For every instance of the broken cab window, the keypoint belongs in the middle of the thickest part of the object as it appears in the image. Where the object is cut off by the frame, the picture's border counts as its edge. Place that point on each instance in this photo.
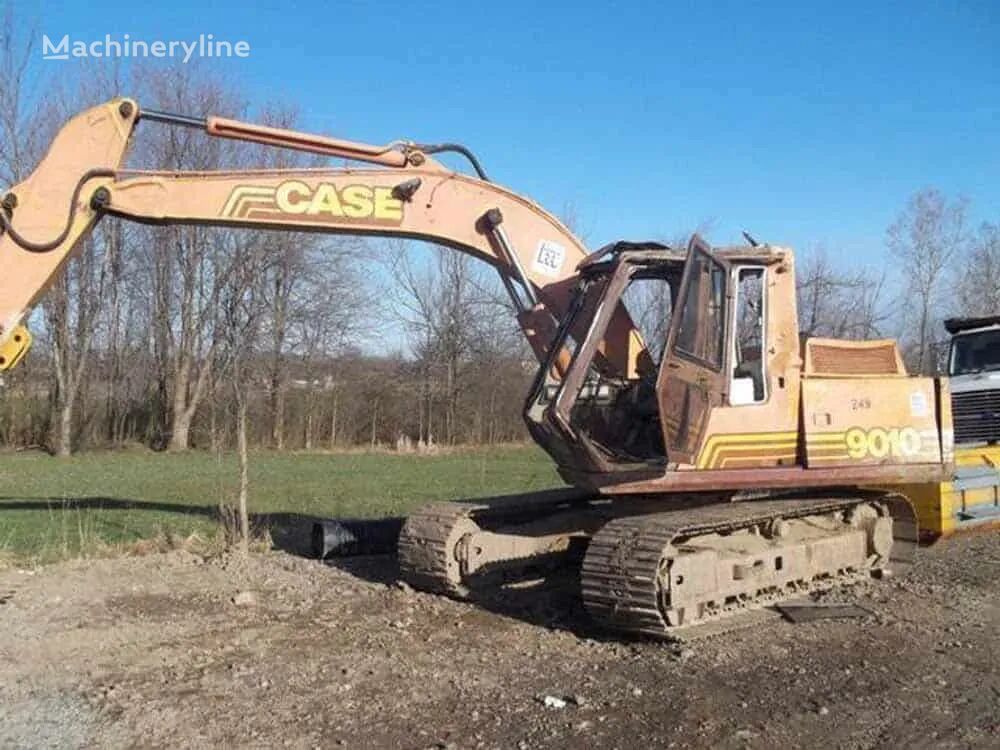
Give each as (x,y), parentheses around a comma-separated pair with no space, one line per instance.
(702,326)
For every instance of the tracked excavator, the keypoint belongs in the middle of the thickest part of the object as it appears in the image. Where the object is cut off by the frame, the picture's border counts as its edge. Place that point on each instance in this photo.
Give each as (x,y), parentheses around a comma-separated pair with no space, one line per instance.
(716,465)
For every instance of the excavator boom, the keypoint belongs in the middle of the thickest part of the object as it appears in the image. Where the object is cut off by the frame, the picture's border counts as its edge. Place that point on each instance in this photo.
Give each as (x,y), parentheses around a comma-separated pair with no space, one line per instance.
(409,194)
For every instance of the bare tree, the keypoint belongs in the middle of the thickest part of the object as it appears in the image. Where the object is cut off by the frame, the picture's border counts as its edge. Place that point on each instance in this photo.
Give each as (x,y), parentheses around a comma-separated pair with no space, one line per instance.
(925,238)
(439,307)
(837,303)
(189,266)
(284,274)
(72,310)
(27,119)
(241,308)
(977,276)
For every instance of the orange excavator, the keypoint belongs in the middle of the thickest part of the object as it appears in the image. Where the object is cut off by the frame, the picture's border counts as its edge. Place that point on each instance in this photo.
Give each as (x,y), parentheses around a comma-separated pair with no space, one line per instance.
(718,464)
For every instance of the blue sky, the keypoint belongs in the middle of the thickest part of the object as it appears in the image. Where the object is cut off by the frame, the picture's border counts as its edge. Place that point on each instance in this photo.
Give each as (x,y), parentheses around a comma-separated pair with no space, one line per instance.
(809,124)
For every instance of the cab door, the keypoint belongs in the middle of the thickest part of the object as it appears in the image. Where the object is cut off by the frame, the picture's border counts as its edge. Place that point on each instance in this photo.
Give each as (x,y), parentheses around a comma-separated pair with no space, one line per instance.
(692,374)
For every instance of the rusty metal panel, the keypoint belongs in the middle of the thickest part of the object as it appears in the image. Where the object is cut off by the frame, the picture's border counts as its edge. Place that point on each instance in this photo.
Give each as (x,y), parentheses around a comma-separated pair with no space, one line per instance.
(736,480)
(841,358)
(692,376)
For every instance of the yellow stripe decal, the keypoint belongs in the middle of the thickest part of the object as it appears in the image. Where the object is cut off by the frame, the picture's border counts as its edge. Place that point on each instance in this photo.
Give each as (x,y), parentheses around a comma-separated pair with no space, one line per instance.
(767,443)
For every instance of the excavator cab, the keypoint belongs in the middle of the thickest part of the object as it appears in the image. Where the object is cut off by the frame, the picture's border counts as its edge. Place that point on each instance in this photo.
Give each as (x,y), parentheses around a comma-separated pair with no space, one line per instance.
(592,413)
(703,323)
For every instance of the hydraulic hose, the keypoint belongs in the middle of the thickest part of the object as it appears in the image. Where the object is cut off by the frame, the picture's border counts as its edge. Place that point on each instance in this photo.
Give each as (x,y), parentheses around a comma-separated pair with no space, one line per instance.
(457,148)
(45,247)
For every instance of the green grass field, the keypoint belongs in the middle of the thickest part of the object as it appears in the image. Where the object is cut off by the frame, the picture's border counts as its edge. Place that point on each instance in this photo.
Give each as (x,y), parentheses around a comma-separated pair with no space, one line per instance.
(52,508)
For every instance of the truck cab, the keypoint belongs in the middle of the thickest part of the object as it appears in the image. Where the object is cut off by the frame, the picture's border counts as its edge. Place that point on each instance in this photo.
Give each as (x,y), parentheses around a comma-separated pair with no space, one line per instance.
(971,498)
(974,370)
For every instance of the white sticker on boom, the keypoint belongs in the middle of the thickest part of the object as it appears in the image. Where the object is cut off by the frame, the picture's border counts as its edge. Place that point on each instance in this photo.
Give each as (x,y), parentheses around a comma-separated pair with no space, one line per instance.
(549,259)
(918,404)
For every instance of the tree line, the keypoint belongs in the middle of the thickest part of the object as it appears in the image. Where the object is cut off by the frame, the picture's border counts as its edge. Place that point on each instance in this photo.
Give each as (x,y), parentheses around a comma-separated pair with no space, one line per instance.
(193,337)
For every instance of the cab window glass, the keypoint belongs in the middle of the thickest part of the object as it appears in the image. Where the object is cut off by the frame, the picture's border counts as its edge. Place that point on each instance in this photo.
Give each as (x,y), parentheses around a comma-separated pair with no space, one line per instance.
(701,330)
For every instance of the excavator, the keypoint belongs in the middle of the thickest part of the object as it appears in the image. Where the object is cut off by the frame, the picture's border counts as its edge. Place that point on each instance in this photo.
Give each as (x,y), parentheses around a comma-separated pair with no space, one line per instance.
(716,466)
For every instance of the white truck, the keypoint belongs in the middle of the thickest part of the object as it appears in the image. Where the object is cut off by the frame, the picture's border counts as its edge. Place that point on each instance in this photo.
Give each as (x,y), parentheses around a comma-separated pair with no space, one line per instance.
(974,373)
(972,498)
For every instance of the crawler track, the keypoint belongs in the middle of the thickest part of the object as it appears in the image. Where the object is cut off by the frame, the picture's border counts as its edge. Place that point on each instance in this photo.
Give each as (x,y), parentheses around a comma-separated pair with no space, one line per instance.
(430,537)
(427,544)
(625,571)
(622,578)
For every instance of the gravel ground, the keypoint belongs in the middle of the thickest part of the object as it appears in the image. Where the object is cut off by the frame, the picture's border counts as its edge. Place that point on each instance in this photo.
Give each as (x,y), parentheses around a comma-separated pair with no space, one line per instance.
(172,650)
